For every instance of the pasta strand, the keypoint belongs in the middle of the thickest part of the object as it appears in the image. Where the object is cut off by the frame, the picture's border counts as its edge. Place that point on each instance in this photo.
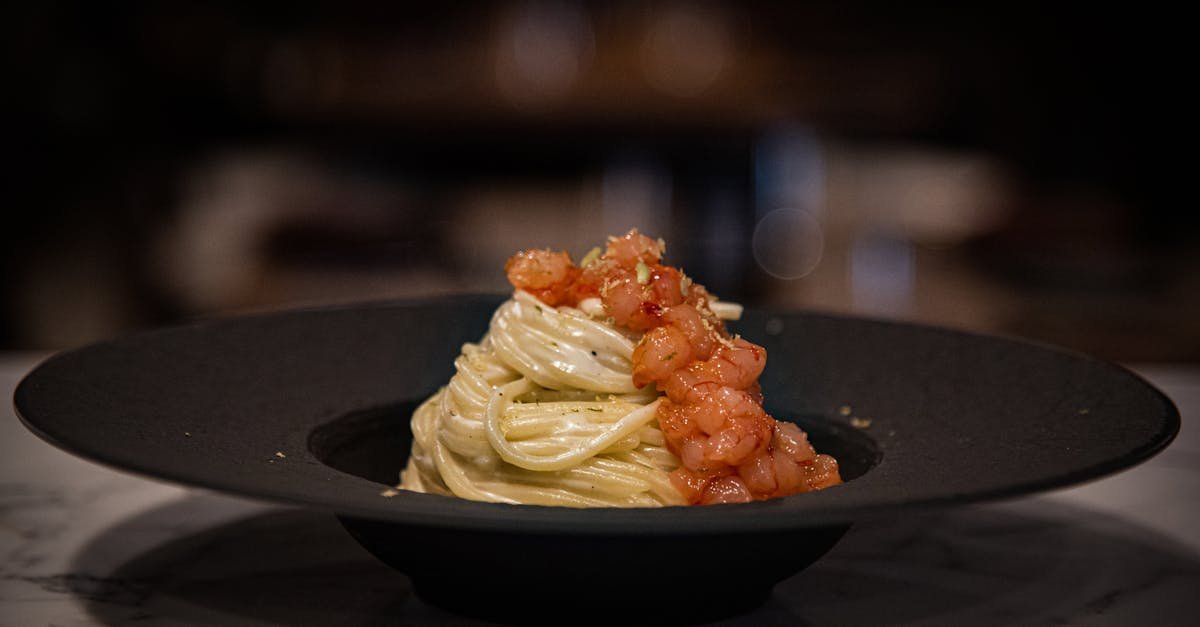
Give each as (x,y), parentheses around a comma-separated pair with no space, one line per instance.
(542,410)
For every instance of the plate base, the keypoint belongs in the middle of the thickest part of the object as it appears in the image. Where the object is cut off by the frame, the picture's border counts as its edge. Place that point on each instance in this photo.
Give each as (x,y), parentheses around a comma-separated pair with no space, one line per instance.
(567,579)
(587,607)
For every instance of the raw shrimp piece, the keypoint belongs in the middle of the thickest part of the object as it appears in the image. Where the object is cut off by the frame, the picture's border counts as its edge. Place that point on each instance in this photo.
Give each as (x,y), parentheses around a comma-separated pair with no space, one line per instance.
(660,353)
(823,472)
(789,439)
(724,407)
(681,420)
(736,367)
(621,298)
(755,392)
(663,286)
(692,454)
(633,247)
(740,439)
(686,386)
(687,320)
(591,277)
(677,426)
(625,301)
(689,484)
(729,489)
(759,474)
(789,475)
(723,430)
(639,302)
(546,274)
(699,299)
(732,446)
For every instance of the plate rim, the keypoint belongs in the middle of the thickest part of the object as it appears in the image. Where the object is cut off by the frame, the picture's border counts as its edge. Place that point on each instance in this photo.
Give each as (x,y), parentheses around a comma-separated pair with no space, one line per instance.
(426,510)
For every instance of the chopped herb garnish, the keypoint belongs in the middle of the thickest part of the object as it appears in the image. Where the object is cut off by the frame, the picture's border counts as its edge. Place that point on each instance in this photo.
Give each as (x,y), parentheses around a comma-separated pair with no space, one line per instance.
(671,356)
(643,273)
(594,409)
(591,256)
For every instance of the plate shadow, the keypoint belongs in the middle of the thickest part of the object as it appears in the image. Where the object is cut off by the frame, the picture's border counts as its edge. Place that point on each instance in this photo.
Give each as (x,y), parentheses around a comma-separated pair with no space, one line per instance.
(1033,561)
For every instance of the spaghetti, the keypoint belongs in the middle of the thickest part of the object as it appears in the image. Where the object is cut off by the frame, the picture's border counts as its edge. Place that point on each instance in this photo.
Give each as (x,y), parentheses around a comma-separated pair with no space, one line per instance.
(543,411)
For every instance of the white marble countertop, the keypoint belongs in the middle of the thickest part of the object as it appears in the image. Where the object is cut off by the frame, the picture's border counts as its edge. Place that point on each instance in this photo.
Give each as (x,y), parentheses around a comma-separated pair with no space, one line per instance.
(84,545)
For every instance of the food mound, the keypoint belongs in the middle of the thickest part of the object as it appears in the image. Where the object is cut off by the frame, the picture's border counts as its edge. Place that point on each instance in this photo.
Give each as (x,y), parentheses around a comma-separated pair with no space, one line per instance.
(624,388)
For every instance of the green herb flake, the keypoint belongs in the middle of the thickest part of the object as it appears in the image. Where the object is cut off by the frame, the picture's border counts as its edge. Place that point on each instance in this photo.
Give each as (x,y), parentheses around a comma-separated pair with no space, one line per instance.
(670,357)
(643,273)
(591,256)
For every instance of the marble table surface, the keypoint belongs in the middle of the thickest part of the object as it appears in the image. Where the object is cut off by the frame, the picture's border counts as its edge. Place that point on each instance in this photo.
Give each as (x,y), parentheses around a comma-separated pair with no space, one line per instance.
(81,544)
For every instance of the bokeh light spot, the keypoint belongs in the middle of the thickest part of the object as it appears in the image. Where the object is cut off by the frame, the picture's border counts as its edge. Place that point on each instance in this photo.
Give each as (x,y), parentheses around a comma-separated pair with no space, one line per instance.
(788,243)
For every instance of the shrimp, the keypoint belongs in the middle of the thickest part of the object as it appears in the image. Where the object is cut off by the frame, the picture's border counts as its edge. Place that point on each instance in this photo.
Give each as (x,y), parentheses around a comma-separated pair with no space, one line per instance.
(639,298)
(725,432)
(701,337)
(737,366)
(661,352)
(712,417)
(823,472)
(664,286)
(789,439)
(692,484)
(682,340)
(546,274)
(633,247)
(741,438)
(793,465)
(700,299)
(728,489)
(718,407)
(622,298)
(759,473)
(720,430)
(730,449)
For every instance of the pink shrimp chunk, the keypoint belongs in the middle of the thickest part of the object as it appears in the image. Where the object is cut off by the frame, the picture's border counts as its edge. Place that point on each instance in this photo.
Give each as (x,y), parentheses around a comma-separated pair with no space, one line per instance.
(727,489)
(737,367)
(633,247)
(546,274)
(661,352)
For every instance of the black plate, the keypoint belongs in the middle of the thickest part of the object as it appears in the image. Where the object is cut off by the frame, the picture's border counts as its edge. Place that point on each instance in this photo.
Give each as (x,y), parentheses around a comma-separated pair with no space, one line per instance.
(310,408)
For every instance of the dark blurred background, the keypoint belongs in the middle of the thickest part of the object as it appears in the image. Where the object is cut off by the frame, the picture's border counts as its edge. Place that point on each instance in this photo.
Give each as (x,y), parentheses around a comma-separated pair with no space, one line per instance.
(1001,167)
